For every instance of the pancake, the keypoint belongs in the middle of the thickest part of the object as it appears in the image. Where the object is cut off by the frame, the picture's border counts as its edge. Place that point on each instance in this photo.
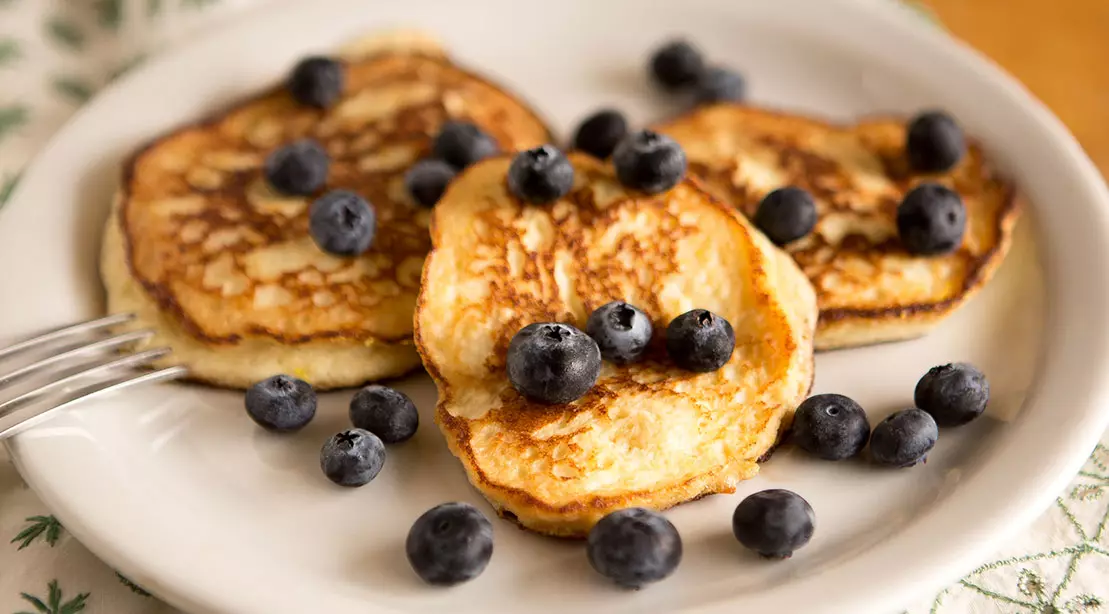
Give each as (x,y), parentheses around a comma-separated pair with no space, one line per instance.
(869,289)
(647,434)
(223,268)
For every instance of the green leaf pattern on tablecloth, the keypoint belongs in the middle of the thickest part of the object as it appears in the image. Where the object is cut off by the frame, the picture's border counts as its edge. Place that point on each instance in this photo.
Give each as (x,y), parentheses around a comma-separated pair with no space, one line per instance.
(76,89)
(7,186)
(64,33)
(9,51)
(135,588)
(12,118)
(125,66)
(46,527)
(1071,576)
(1059,566)
(109,13)
(54,603)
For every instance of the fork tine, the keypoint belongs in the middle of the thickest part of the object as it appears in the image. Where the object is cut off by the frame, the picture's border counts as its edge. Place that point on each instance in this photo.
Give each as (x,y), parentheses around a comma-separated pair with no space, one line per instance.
(14,422)
(26,398)
(62,333)
(92,348)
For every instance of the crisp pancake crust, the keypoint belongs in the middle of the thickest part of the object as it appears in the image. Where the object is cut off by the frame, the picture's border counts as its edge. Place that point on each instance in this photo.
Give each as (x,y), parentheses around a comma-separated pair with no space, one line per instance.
(647,434)
(228,264)
(868,287)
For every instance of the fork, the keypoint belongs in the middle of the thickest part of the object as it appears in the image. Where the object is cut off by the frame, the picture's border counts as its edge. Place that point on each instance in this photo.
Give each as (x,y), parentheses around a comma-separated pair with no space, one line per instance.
(97,366)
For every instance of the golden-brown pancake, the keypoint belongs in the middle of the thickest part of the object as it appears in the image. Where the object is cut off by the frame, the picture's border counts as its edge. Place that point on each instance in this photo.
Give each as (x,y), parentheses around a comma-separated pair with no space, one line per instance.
(647,434)
(223,268)
(868,287)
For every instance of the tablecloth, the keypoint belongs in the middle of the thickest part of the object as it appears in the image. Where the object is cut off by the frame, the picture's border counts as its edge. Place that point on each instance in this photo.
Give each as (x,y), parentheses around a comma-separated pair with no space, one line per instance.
(56,54)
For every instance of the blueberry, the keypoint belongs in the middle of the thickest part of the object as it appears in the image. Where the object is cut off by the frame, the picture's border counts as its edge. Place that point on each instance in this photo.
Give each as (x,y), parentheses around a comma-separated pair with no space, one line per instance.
(953,394)
(649,161)
(676,65)
(934,142)
(904,439)
(634,546)
(600,133)
(450,544)
(931,220)
(342,223)
(831,426)
(281,403)
(774,523)
(700,341)
(720,85)
(553,363)
(540,175)
(352,458)
(427,180)
(385,412)
(316,82)
(460,144)
(298,168)
(786,214)
(621,331)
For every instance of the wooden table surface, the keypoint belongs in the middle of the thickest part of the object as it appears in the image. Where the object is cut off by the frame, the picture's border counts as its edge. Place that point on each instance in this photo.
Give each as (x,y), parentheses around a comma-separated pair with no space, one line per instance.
(1058,48)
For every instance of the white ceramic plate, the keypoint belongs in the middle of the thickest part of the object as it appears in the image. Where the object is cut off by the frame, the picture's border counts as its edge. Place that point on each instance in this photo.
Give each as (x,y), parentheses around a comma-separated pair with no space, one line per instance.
(176,488)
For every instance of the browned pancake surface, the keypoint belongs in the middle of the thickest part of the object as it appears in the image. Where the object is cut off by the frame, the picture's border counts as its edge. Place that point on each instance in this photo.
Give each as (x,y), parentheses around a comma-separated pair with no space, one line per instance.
(868,287)
(230,259)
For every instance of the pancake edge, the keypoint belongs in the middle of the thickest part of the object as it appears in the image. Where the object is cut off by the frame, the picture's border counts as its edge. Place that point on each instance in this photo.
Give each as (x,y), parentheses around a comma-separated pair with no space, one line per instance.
(326,364)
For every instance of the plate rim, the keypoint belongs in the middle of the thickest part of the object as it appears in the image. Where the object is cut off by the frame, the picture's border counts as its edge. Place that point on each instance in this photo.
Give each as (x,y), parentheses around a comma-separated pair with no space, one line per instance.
(1018,510)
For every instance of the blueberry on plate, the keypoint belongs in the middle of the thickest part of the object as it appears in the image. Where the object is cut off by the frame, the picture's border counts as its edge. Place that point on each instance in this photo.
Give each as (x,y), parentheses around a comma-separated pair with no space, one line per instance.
(953,394)
(297,169)
(904,439)
(931,220)
(316,82)
(352,458)
(831,426)
(450,544)
(774,523)
(700,341)
(677,65)
(634,546)
(427,180)
(342,223)
(934,142)
(649,161)
(460,144)
(281,403)
(600,133)
(385,412)
(621,331)
(540,175)
(719,84)
(786,214)
(552,362)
